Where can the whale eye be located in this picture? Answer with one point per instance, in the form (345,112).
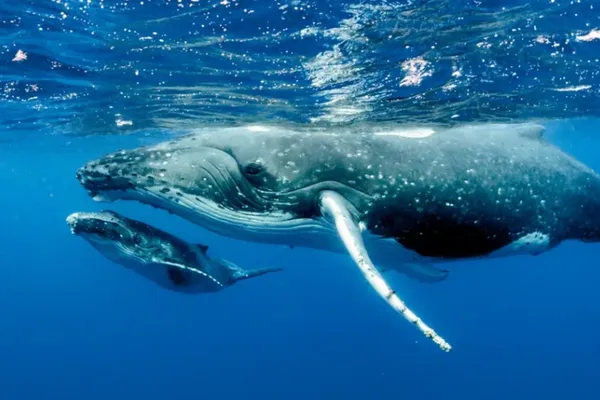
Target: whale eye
(254,169)
(136,239)
(259,175)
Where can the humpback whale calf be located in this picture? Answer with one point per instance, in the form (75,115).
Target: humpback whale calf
(156,255)
(401,199)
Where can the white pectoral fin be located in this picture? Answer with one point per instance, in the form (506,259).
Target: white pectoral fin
(334,206)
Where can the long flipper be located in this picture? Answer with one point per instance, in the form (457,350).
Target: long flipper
(253,273)
(337,208)
(239,274)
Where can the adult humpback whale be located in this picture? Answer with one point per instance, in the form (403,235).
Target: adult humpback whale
(403,199)
(164,259)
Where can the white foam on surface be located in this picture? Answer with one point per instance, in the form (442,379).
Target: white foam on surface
(573,88)
(594,34)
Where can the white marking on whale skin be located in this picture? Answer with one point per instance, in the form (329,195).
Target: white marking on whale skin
(531,243)
(101,198)
(573,88)
(257,128)
(72,218)
(193,270)
(594,34)
(412,133)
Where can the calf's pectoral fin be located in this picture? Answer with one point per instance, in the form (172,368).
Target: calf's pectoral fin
(338,210)
(421,272)
(240,275)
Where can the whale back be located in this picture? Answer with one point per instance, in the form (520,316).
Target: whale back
(467,193)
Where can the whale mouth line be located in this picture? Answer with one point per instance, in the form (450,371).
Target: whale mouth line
(243,225)
(203,205)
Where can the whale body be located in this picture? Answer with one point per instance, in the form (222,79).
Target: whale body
(156,255)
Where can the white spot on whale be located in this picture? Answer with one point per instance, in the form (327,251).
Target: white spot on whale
(531,243)
(594,34)
(258,128)
(102,198)
(413,133)
(573,88)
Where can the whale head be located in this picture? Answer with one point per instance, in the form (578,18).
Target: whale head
(235,178)
(99,226)
(114,234)
(129,242)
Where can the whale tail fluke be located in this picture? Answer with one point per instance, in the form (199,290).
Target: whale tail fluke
(242,274)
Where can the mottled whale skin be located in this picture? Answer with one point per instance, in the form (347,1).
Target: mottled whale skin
(420,195)
(160,257)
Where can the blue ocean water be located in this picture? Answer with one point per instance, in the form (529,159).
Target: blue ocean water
(83,78)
